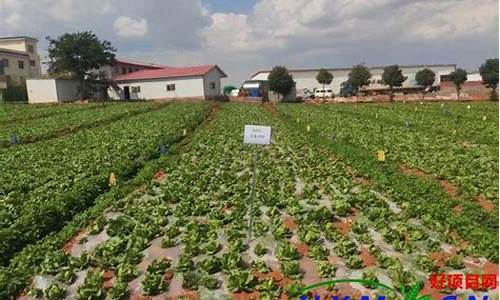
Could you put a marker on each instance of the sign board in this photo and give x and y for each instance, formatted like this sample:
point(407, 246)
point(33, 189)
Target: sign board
point(257, 135)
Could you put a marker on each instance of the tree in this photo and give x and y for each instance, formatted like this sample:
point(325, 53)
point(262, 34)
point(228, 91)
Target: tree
point(280, 81)
point(425, 78)
point(78, 55)
point(489, 74)
point(324, 77)
point(359, 76)
point(393, 76)
point(458, 77)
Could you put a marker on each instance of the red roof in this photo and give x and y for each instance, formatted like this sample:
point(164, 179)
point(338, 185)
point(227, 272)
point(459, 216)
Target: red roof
point(169, 72)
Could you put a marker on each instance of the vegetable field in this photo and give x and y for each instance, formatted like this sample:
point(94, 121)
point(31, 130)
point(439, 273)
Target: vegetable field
point(181, 220)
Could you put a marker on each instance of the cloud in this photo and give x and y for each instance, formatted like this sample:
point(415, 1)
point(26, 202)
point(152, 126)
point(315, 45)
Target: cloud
point(128, 27)
point(296, 33)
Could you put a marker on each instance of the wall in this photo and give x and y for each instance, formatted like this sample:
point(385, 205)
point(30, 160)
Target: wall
point(212, 76)
point(52, 90)
point(41, 90)
point(67, 90)
point(186, 87)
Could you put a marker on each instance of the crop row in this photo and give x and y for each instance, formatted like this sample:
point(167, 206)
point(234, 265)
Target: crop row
point(473, 167)
point(45, 184)
point(28, 131)
point(189, 231)
point(21, 112)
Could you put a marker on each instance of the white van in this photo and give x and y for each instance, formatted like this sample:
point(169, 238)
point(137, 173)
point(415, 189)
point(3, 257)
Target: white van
point(323, 93)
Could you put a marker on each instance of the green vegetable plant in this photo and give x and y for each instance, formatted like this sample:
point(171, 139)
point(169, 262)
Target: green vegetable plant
point(55, 292)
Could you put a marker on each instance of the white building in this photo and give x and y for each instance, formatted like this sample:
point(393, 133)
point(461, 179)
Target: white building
point(200, 82)
point(52, 90)
point(306, 78)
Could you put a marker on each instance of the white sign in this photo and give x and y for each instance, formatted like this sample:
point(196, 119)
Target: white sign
point(257, 135)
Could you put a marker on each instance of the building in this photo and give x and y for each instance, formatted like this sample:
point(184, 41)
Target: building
point(52, 90)
point(199, 82)
point(19, 61)
point(306, 78)
point(123, 67)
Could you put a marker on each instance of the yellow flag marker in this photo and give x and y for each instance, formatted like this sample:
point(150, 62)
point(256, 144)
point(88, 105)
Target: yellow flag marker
point(442, 105)
point(376, 116)
point(381, 155)
point(112, 179)
point(468, 106)
point(298, 120)
point(308, 128)
point(454, 131)
point(184, 132)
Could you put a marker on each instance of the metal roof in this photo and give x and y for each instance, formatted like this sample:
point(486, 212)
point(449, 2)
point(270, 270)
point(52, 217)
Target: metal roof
point(168, 72)
point(347, 69)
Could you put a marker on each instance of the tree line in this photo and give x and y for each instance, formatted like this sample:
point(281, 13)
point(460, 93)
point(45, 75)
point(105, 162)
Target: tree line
point(281, 82)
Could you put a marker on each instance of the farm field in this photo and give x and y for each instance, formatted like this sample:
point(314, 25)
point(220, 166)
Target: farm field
point(177, 222)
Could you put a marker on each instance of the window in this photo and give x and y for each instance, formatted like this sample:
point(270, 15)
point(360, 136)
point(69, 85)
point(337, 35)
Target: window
point(170, 87)
point(31, 49)
point(5, 62)
point(33, 63)
point(212, 85)
point(124, 71)
point(136, 89)
point(130, 70)
point(2, 68)
point(20, 64)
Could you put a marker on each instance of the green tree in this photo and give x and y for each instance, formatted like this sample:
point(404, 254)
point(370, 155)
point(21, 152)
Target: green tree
point(489, 74)
point(425, 78)
point(79, 55)
point(393, 77)
point(324, 77)
point(458, 77)
point(280, 81)
point(359, 76)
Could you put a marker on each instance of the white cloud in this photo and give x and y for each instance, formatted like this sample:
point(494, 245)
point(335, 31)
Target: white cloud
point(128, 27)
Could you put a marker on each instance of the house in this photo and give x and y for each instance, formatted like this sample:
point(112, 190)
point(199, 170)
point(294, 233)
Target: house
point(199, 82)
point(19, 61)
point(306, 78)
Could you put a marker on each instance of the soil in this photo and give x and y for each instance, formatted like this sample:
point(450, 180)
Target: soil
point(159, 176)
point(246, 295)
point(458, 209)
point(289, 223)
point(68, 247)
point(270, 107)
point(413, 172)
point(439, 258)
point(358, 179)
point(486, 204)
point(301, 247)
point(368, 259)
point(450, 189)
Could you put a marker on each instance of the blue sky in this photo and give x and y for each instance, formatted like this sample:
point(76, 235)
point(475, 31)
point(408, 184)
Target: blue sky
point(243, 37)
point(228, 6)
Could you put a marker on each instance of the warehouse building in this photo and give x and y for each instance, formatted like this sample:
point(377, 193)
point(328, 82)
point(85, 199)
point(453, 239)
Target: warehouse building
point(199, 82)
point(306, 78)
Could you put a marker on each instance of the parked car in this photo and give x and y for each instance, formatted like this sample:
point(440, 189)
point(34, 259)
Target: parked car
point(235, 93)
point(323, 93)
point(305, 94)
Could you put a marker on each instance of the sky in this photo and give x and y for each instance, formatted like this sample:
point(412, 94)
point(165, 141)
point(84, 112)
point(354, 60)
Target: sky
point(245, 36)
